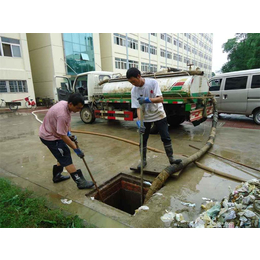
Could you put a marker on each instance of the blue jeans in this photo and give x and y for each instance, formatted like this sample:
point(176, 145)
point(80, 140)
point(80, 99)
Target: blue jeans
point(162, 126)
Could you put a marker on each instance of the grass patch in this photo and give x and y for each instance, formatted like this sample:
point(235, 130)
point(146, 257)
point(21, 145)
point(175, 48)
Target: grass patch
point(21, 209)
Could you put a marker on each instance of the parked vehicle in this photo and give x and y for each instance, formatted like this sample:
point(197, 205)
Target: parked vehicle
point(238, 92)
point(108, 95)
point(13, 105)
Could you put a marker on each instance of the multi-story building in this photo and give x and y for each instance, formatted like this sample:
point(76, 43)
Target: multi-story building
point(155, 51)
point(15, 70)
point(57, 54)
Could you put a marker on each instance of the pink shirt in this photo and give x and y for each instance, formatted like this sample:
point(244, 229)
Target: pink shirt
point(56, 122)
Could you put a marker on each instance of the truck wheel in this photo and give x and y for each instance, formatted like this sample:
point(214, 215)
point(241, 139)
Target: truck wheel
point(256, 116)
point(175, 120)
point(87, 115)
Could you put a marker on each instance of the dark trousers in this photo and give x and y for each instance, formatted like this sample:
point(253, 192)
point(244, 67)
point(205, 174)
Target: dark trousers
point(162, 126)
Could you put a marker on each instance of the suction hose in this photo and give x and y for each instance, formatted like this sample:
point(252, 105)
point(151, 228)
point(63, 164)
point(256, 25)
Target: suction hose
point(164, 175)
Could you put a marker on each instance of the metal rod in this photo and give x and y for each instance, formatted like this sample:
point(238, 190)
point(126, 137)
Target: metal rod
point(142, 153)
point(229, 159)
point(99, 193)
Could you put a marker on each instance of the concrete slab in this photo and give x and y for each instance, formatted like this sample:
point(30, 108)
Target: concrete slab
point(27, 162)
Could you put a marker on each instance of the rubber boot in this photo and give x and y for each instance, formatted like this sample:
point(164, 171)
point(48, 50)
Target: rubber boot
point(80, 180)
point(144, 160)
point(169, 153)
point(57, 177)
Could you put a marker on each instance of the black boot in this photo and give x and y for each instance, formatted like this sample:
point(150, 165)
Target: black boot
point(57, 177)
point(80, 180)
point(169, 153)
point(144, 160)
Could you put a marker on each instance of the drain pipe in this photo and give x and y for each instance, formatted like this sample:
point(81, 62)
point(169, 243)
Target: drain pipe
point(163, 176)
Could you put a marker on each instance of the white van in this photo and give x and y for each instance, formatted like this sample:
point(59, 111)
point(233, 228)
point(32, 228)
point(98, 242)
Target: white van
point(238, 92)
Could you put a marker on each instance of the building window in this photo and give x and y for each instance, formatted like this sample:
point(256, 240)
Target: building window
point(79, 52)
point(186, 60)
point(133, 64)
point(153, 50)
point(120, 63)
point(145, 67)
point(144, 47)
point(194, 62)
point(163, 36)
point(169, 38)
point(13, 86)
point(177, 57)
point(133, 44)
point(169, 55)
point(162, 53)
point(10, 47)
point(153, 68)
point(3, 86)
point(119, 39)
point(154, 34)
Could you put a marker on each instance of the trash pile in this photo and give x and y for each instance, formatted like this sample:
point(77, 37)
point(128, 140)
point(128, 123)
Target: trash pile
point(240, 210)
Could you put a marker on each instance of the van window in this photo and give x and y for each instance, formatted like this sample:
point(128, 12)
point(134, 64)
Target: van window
point(236, 83)
point(255, 81)
point(214, 85)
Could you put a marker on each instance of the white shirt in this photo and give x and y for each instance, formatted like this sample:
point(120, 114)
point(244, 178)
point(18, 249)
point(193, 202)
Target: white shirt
point(152, 111)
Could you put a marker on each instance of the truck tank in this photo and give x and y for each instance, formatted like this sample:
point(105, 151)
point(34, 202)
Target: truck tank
point(191, 85)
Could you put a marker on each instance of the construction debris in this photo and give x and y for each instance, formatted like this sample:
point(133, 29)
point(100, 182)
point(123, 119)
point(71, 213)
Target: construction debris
point(240, 210)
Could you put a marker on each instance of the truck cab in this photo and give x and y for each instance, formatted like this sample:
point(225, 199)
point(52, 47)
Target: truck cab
point(87, 84)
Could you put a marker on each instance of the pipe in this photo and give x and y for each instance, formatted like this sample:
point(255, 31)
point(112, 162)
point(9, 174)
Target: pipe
point(163, 176)
point(117, 138)
point(228, 159)
point(229, 176)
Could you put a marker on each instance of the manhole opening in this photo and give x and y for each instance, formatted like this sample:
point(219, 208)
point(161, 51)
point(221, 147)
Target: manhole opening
point(121, 192)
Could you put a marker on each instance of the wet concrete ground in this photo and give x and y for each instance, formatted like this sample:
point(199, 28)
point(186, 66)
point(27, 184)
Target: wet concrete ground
point(28, 163)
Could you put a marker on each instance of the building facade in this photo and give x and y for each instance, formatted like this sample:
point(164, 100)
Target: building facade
point(59, 54)
point(15, 70)
point(151, 52)
point(29, 62)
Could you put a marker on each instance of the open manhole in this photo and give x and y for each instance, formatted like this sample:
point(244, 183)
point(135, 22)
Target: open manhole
point(121, 192)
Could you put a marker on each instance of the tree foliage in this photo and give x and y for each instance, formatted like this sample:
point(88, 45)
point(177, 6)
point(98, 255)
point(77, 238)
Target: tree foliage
point(243, 52)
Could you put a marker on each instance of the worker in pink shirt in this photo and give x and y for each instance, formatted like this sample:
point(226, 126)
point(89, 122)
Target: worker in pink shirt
point(55, 134)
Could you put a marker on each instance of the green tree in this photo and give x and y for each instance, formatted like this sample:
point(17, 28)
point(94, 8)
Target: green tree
point(243, 52)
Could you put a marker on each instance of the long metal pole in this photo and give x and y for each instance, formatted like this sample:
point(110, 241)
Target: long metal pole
point(142, 153)
point(99, 193)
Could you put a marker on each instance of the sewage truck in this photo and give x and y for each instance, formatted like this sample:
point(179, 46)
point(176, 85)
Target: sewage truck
point(107, 95)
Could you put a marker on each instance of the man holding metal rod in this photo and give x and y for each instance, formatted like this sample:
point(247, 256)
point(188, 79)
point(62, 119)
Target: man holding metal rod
point(55, 133)
point(146, 92)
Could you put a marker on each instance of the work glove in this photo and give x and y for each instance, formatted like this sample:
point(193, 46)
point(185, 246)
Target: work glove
point(144, 100)
point(79, 153)
point(140, 128)
point(73, 138)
